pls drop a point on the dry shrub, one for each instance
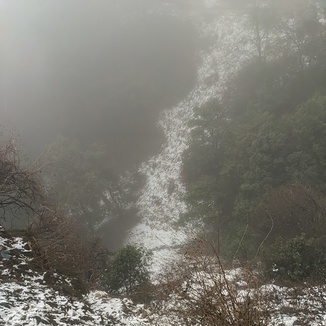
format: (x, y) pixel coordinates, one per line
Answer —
(64, 246)
(199, 291)
(60, 243)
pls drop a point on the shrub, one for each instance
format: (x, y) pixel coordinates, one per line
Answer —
(199, 291)
(59, 242)
(128, 272)
(295, 260)
(66, 247)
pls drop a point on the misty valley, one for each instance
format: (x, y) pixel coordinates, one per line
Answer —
(162, 162)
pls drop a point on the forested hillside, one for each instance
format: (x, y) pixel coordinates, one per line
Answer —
(255, 167)
(225, 224)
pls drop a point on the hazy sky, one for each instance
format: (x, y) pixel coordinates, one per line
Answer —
(93, 70)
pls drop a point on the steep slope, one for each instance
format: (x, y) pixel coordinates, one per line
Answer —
(161, 202)
(29, 296)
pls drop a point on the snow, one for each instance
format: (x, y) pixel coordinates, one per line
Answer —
(161, 202)
(26, 298)
(160, 208)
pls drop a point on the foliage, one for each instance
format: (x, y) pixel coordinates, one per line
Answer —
(258, 155)
(290, 210)
(266, 132)
(128, 271)
(59, 243)
(291, 225)
(85, 183)
(296, 260)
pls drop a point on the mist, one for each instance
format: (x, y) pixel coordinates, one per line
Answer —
(98, 71)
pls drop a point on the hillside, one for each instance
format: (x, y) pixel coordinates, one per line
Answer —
(162, 199)
(190, 286)
(29, 296)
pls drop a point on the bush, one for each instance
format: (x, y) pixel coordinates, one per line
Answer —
(59, 242)
(66, 247)
(295, 260)
(128, 272)
(199, 291)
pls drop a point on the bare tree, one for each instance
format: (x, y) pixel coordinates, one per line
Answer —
(59, 242)
(20, 190)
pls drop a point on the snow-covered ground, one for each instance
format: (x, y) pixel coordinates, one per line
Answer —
(161, 202)
(29, 297)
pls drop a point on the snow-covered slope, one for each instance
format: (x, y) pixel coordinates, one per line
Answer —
(29, 297)
(161, 202)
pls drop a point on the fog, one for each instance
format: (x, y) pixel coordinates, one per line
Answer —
(94, 70)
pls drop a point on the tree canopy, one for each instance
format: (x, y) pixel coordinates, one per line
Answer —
(129, 271)
(89, 189)
(266, 132)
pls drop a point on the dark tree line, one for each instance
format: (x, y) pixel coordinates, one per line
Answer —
(255, 167)
(87, 186)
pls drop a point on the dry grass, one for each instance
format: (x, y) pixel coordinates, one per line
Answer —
(199, 291)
